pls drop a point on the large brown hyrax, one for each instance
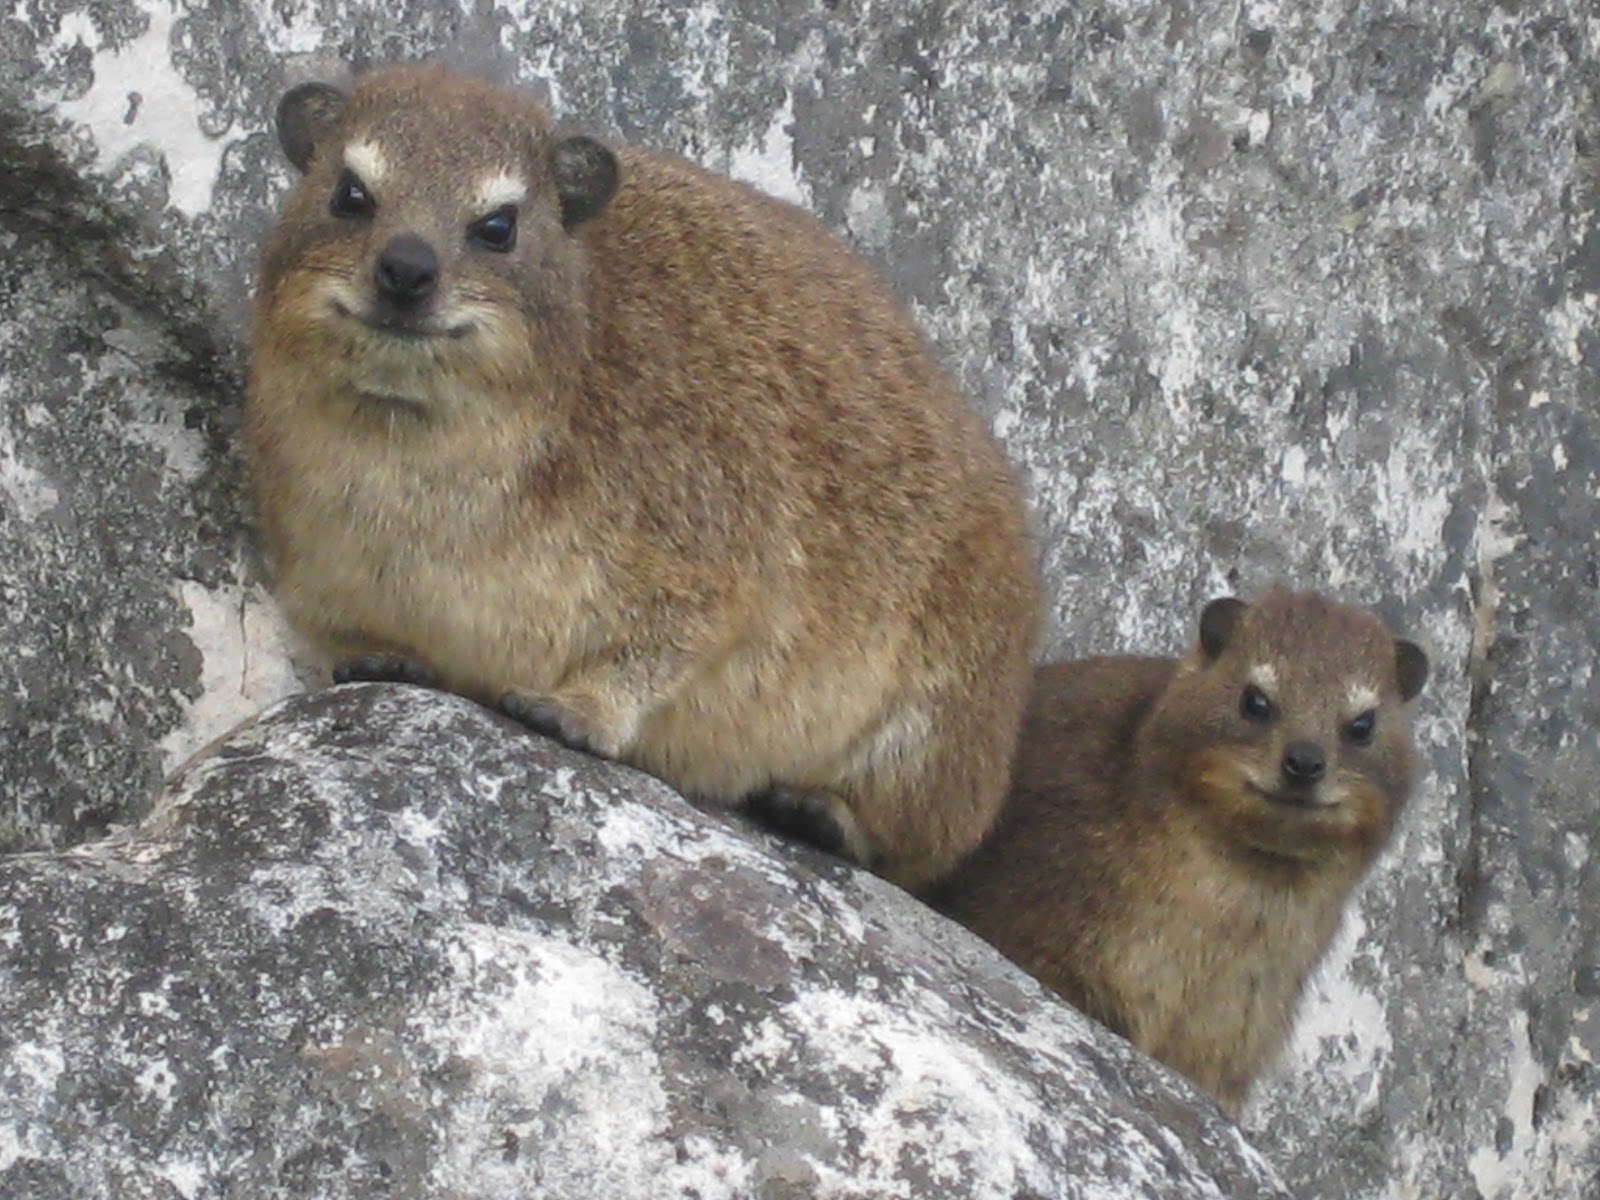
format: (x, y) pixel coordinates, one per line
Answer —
(646, 458)
(1181, 837)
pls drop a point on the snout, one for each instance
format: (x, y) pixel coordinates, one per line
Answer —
(403, 297)
(406, 275)
(1302, 769)
(1303, 765)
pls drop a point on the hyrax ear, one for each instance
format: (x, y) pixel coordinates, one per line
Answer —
(586, 178)
(305, 116)
(1218, 622)
(1411, 668)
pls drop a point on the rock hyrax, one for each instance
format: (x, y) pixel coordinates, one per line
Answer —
(648, 459)
(1181, 836)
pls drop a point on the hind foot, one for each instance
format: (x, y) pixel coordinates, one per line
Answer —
(815, 818)
(549, 718)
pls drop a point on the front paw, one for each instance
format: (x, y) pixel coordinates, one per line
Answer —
(385, 668)
(550, 718)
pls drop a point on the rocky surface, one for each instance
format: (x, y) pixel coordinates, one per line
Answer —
(383, 943)
(1301, 289)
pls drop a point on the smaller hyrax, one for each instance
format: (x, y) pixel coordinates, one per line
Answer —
(1181, 836)
(647, 459)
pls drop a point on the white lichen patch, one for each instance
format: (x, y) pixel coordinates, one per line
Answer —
(916, 1081)
(936, 1115)
(705, 27)
(1569, 321)
(867, 217)
(628, 831)
(420, 829)
(11, 1148)
(156, 1002)
(533, 1019)
(245, 664)
(1414, 500)
(140, 99)
(768, 161)
(1506, 1175)
(1160, 249)
(155, 1080)
(1575, 850)
(28, 490)
(28, 1077)
(1341, 1036)
(980, 1148)
(35, 1065)
(182, 450)
(295, 28)
(187, 1177)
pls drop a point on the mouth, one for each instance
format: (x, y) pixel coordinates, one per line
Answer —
(1309, 800)
(389, 403)
(403, 328)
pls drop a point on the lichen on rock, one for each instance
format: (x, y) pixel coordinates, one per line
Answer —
(382, 942)
(1299, 291)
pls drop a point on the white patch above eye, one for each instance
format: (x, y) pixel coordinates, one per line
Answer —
(497, 191)
(1360, 698)
(1264, 676)
(367, 161)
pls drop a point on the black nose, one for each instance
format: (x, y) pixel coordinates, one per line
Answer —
(407, 270)
(1303, 762)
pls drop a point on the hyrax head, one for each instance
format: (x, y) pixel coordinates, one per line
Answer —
(1287, 726)
(433, 221)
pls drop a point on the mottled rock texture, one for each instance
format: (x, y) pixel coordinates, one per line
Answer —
(383, 943)
(1304, 290)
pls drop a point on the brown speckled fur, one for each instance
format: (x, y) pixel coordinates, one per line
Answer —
(693, 475)
(1140, 870)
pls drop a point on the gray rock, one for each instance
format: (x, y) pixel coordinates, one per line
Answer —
(382, 943)
(1300, 290)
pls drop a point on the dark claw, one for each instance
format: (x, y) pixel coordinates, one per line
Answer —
(385, 668)
(544, 716)
(805, 816)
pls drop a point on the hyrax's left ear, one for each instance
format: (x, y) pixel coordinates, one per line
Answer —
(1410, 667)
(586, 178)
(306, 114)
(1217, 623)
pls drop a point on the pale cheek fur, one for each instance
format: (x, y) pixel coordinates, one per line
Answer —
(1219, 779)
(305, 306)
(499, 345)
(1358, 802)
(336, 294)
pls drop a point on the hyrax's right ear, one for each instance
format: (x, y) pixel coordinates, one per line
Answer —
(1217, 623)
(305, 116)
(586, 178)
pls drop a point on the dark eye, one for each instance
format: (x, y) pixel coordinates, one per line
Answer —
(497, 231)
(1360, 729)
(1254, 705)
(351, 198)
